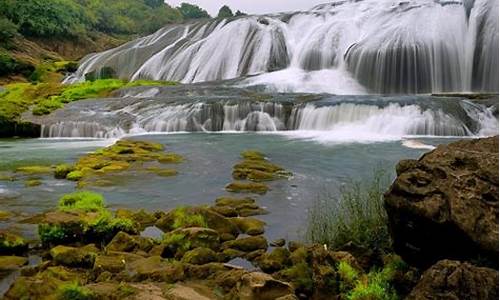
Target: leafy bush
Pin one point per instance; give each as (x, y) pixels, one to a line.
(8, 31)
(225, 12)
(10, 66)
(357, 215)
(190, 11)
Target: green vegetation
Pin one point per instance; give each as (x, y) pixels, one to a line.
(190, 11)
(357, 216)
(69, 18)
(82, 200)
(225, 12)
(10, 65)
(73, 291)
(375, 285)
(183, 219)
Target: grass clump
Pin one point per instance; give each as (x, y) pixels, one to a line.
(357, 215)
(73, 291)
(184, 219)
(348, 276)
(82, 200)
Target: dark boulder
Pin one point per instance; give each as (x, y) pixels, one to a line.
(450, 279)
(445, 205)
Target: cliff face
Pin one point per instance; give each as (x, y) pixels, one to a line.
(445, 205)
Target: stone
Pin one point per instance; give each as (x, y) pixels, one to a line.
(449, 279)
(74, 257)
(200, 256)
(274, 261)
(247, 187)
(179, 241)
(11, 243)
(445, 205)
(157, 269)
(12, 262)
(257, 285)
(124, 242)
(250, 226)
(247, 244)
(278, 243)
(181, 291)
(109, 263)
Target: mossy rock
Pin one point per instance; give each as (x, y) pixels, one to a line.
(180, 241)
(156, 268)
(200, 256)
(4, 215)
(43, 285)
(253, 155)
(142, 217)
(247, 244)
(31, 170)
(62, 171)
(83, 257)
(169, 158)
(8, 263)
(124, 242)
(234, 202)
(74, 175)
(274, 261)
(162, 172)
(247, 187)
(32, 183)
(250, 226)
(109, 263)
(185, 217)
(11, 243)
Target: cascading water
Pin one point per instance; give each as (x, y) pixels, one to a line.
(346, 47)
(325, 117)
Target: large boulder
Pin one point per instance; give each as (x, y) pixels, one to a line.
(257, 285)
(445, 205)
(455, 280)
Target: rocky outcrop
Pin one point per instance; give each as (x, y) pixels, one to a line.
(445, 205)
(455, 280)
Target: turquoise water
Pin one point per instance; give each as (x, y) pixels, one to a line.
(318, 169)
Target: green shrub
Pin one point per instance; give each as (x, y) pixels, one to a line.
(82, 200)
(8, 31)
(225, 12)
(11, 66)
(190, 11)
(73, 291)
(357, 216)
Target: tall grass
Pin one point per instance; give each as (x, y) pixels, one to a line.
(356, 215)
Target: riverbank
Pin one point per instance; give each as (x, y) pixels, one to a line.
(225, 254)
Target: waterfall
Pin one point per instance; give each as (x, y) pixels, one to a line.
(339, 118)
(345, 47)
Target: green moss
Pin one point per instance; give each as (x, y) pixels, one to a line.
(253, 154)
(82, 200)
(74, 175)
(247, 187)
(73, 291)
(162, 172)
(11, 243)
(35, 169)
(300, 275)
(63, 170)
(176, 242)
(32, 182)
(125, 290)
(348, 276)
(183, 219)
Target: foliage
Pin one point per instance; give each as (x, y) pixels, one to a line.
(190, 11)
(11, 66)
(239, 13)
(73, 291)
(357, 216)
(8, 31)
(225, 12)
(82, 200)
(70, 18)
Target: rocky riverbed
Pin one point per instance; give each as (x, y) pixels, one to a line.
(219, 250)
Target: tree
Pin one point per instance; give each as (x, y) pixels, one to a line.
(154, 3)
(225, 12)
(190, 11)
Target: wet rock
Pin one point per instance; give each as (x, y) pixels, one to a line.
(449, 279)
(179, 241)
(124, 242)
(247, 187)
(247, 244)
(11, 243)
(189, 292)
(142, 217)
(12, 262)
(114, 290)
(234, 202)
(200, 256)
(204, 272)
(44, 284)
(278, 243)
(274, 261)
(262, 286)
(156, 268)
(196, 217)
(250, 226)
(32, 183)
(62, 171)
(74, 257)
(109, 263)
(445, 205)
